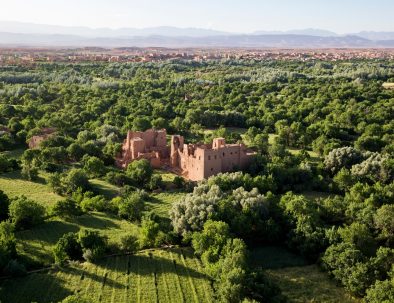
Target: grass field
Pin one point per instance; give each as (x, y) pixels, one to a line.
(36, 244)
(104, 188)
(14, 185)
(298, 280)
(172, 275)
(308, 284)
(161, 203)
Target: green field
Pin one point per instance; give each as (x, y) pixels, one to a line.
(104, 188)
(36, 244)
(172, 275)
(161, 203)
(14, 185)
(298, 280)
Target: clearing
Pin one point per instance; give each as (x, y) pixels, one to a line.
(298, 281)
(14, 185)
(36, 244)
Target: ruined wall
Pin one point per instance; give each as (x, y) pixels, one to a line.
(193, 161)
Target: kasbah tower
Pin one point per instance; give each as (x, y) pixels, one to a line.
(193, 161)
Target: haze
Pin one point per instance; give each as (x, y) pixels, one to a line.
(230, 15)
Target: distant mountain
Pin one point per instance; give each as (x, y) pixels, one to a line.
(27, 34)
(246, 41)
(31, 28)
(376, 35)
(306, 32)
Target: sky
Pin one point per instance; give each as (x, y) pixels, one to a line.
(341, 16)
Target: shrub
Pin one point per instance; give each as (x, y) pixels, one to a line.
(190, 213)
(131, 207)
(15, 269)
(179, 182)
(67, 248)
(149, 232)
(129, 243)
(74, 179)
(67, 208)
(25, 213)
(4, 205)
(140, 171)
(344, 157)
(94, 203)
(156, 182)
(7, 244)
(94, 167)
(93, 244)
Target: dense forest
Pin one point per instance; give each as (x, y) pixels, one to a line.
(325, 128)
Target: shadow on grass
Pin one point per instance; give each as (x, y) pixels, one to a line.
(49, 232)
(273, 257)
(95, 221)
(149, 263)
(40, 288)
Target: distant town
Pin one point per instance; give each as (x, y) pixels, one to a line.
(28, 56)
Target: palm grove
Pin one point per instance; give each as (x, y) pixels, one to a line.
(336, 116)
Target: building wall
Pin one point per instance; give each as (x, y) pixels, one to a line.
(201, 162)
(194, 161)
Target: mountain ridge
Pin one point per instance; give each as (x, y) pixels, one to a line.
(13, 34)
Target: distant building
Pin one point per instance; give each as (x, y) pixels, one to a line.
(43, 135)
(193, 161)
(150, 145)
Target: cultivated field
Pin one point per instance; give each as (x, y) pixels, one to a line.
(172, 275)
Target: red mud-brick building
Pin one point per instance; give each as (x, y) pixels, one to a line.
(44, 134)
(193, 161)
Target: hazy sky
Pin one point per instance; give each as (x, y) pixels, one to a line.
(229, 15)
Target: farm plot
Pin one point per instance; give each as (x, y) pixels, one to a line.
(36, 244)
(172, 275)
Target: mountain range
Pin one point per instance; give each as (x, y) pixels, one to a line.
(27, 34)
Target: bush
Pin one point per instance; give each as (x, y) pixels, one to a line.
(190, 213)
(7, 244)
(4, 205)
(67, 208)
(131, 207)
(156, 182)
(179, 182)
(93, 244)
(67, 248)
(15, 269)
(25, 213)
(94, 203)
(94, 167)
(74, 179)
(117, 178)
(149, 232)
(140, 172)
(129, 243)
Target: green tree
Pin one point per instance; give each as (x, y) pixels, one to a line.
(131, 207)
(140, 171)
(25, 213)
(94, 167)
(4, 204)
